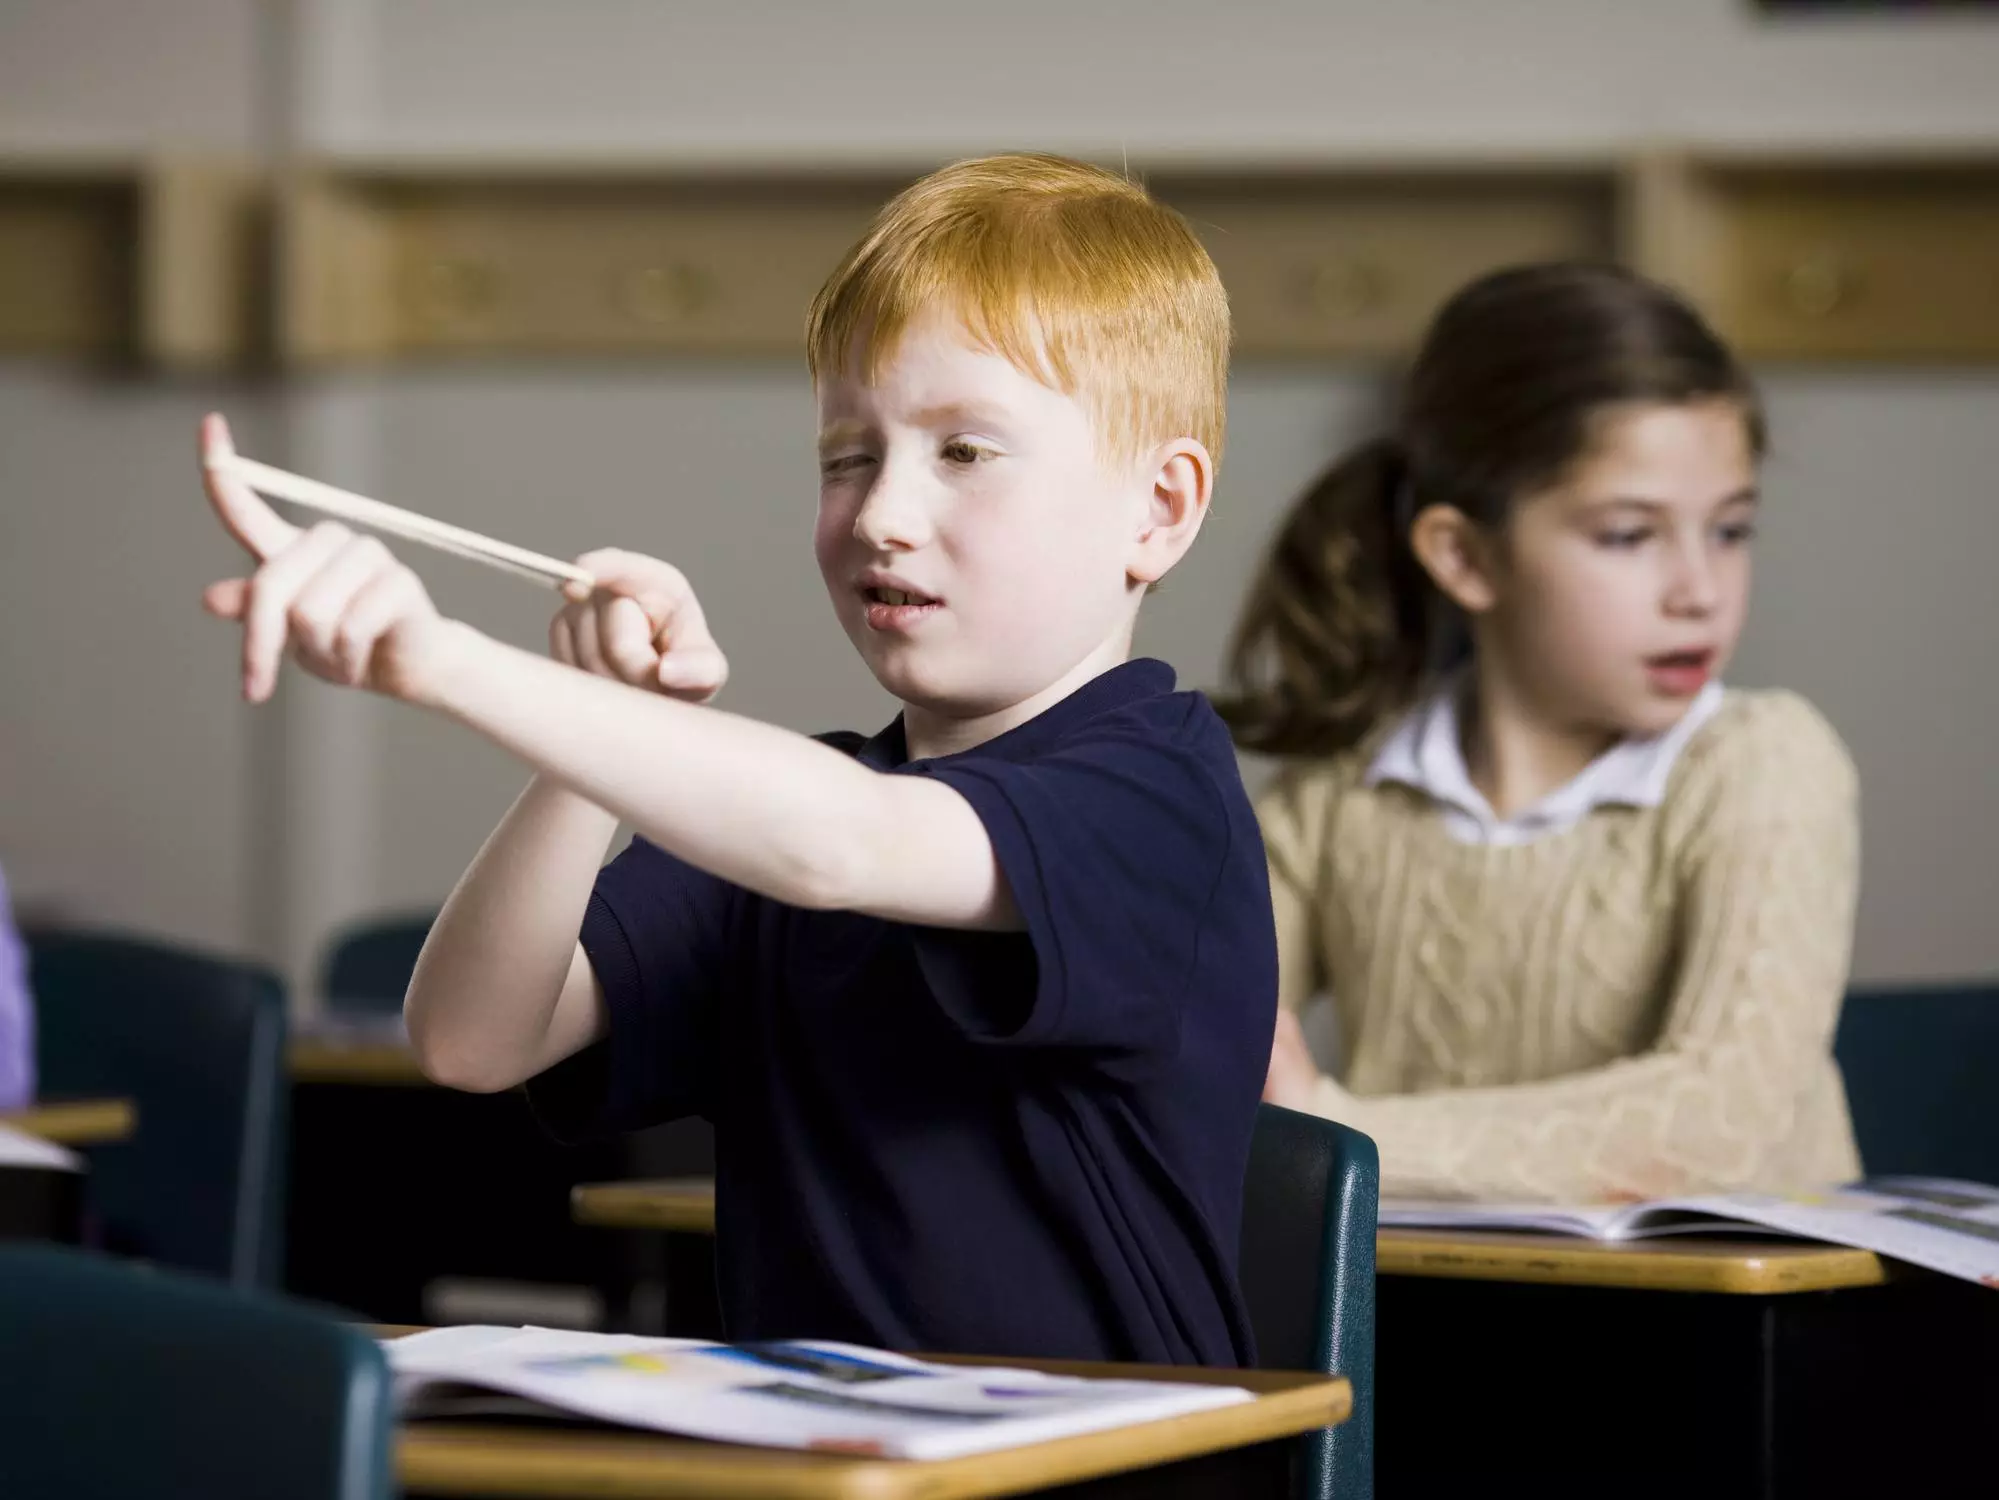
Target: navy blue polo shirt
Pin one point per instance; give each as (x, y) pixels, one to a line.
(1025, 1143)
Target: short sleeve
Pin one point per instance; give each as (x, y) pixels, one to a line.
(656, 932)
(1114, 847)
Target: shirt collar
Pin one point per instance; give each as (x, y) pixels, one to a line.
(1426, 751)
(1127, 683)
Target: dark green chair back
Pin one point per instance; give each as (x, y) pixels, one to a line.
(198, 1044)
(1307, 1272)
(117, 1380)
(368, 968)
(1922, 1077)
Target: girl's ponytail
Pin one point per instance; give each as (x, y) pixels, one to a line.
(1337, 629)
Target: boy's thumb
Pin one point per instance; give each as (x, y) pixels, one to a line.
(227, 599)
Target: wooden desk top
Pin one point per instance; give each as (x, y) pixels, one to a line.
(1681, 1263)
(76, 1122)
(683, 1204)
(468, 1458)
(338, 1059)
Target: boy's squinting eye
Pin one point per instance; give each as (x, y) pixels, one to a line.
(842, 463)
(1736, 533)
(960, 452)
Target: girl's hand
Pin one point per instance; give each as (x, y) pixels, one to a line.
(1294, 1077)
(641, 625)
(349, 612)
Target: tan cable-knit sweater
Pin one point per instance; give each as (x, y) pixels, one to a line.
(1642, 1004)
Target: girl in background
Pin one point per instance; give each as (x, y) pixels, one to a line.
(1584, 916)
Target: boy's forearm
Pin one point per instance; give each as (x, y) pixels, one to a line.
(762, 807)
(482, 1004)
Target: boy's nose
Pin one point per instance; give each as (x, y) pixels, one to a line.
(893, 518)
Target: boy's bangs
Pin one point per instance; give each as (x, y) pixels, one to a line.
(995, 298)
(1073, 276)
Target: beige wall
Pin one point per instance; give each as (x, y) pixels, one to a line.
(133, 787)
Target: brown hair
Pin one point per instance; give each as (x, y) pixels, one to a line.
(1342, 626)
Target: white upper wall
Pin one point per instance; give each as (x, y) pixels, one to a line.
(934, 78)
(107, 75)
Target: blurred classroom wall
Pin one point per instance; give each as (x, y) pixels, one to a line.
(135, 789)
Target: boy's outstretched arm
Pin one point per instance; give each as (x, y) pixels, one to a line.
(767, 809)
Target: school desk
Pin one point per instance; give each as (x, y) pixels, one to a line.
(42, 1204)
(75, 1122)
(336, 1058)
(1239, 1452)
(1681, 1263)
(396, 1183)
(682, 1212)
(1707, 1365)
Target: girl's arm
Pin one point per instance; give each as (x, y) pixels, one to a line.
(1769, 884)
(1292, 815)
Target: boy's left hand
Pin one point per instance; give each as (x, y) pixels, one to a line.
(1293, 1077)
(641, 625)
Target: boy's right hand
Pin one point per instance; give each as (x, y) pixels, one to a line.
(340, 603)
(641, 625)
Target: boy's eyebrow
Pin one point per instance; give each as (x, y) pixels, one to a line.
(945, 412)
(834, 434)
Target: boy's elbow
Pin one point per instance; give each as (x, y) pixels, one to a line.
(829, 883)
(450, 1064)
(454, 1069)
(830, 873)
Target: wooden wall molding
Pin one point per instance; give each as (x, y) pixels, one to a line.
(119, 258)
(1861, 257)
(1865, 258)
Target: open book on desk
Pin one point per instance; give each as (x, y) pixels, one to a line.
(1946, 1226)
(830, 1397)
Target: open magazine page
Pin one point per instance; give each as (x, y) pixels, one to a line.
(1596, 1221)
(785, 1395)
(1952, 1227)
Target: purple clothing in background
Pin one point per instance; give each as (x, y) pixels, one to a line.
(17, 1013)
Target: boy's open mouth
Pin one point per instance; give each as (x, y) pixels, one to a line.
(892, 605)
(897, 597)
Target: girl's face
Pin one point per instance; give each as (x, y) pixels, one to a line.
(1617, 594)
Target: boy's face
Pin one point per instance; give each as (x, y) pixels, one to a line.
(974, 543)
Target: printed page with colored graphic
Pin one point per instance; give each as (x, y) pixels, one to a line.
(1946, 1226)
(830, 1397)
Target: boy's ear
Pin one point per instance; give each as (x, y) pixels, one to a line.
(1456, 555)
(1182, 479)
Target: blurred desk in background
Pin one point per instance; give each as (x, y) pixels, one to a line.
(47, 1203)
(345, 1057)
(682, 1212)
(75, 1122)
(402, 1192)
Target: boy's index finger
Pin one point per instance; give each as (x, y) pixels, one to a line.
(248, 517)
